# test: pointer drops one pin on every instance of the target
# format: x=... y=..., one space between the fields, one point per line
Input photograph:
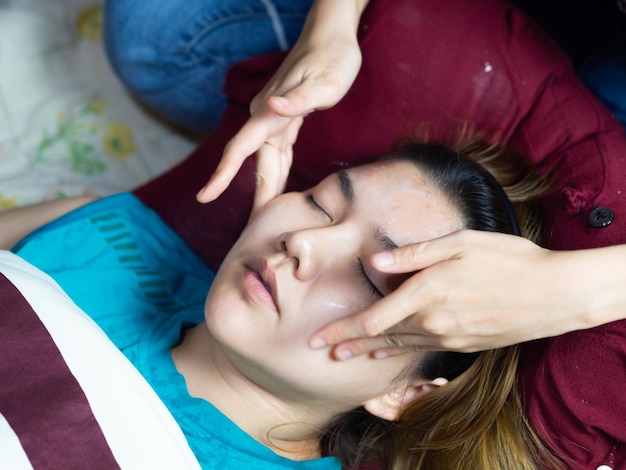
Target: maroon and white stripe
x=68 y=398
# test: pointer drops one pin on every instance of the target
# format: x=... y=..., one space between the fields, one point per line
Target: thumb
x=417 y=256
x=270 y=176
x=304 y=99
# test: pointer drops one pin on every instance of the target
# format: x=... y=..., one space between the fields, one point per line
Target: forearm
x=16 y=223
x=333 y=19
x=595 y=281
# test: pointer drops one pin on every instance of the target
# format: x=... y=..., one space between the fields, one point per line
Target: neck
x=289 y=429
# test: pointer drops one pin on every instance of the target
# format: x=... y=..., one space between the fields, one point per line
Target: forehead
x=397 y=198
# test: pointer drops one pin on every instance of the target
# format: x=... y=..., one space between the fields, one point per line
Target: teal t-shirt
x=143 y=285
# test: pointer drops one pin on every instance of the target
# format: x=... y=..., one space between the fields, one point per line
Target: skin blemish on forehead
x=413 y=181
x=371 y=171
x=430 y=201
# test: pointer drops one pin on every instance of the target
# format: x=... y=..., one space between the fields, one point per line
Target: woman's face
x=303 y=262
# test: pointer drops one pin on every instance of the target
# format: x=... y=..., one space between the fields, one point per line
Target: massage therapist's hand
x=316 y=74
x=477 y=290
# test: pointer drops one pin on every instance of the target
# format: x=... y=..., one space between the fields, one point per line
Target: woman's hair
x=476 y=421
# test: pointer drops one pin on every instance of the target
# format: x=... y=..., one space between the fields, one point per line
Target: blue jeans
x=605 y=74
x=174 y=54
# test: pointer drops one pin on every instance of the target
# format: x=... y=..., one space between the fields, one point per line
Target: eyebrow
x=383 y=239
x=347 y=188
x=347 y=191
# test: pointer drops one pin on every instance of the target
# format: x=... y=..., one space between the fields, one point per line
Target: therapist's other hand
x=316 y=74
x=470 y=291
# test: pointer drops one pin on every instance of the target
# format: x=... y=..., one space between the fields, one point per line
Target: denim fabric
x=173 y=55
x=605 y=74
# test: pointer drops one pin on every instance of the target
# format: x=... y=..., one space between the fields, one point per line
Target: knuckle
x=371 y=326
x=452 y=343
x=434 y=325
x=229 y=151
x=412 y=252
x=463 y=238
x=468 y=238
x=333 y=84
x=330 y=89
x=359 y=347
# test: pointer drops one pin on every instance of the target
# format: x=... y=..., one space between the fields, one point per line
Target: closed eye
x=313 y=203
x=368 y=282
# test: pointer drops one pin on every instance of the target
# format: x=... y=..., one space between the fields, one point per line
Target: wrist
x=596 y=280
x=607 y=277
x=334 y=20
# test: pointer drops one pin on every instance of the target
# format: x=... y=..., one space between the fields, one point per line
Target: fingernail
x=317 y=343
x=283 y=101
x=383 y=260
x=381 y=354
x=343 y=354
x=200 y=193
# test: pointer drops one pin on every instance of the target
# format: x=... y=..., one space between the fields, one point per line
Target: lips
x=260 y=282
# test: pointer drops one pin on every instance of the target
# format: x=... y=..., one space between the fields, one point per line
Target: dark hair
x=477 y=179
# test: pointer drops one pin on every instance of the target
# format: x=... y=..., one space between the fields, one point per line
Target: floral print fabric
x=67 y=125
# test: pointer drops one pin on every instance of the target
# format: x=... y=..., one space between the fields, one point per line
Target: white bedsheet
x=67 y=126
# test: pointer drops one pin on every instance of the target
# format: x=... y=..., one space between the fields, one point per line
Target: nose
x=306 y=248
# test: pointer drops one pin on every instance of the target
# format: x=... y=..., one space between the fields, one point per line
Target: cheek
x=333 y=309
x=283 y=210
x=218 y=308
x=324 y=306
x=256 y=235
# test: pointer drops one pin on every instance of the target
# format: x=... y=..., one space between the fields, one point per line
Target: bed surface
x=67 y=126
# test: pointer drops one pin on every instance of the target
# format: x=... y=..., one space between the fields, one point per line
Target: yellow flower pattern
x=7 y=202
x=89 y=23
x=96 y=106
x=85 y=143
x=118 y=140
x=75 y=131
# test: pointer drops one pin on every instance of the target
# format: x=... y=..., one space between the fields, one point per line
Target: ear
x=390 y=405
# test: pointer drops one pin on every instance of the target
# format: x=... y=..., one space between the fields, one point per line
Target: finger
x=281 y=82
x=385 y=353
x=357 y=347
x=309 y=96
x=258 y=101
x=273 y=165
x=417 y=256
x=286 y=140
x=379 y=347
x=286 y=157
x=267 y=177
x=378 y=318
x=245 y=143
x=216 y=185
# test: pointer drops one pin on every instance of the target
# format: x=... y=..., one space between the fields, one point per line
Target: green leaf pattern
x=71 y=140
